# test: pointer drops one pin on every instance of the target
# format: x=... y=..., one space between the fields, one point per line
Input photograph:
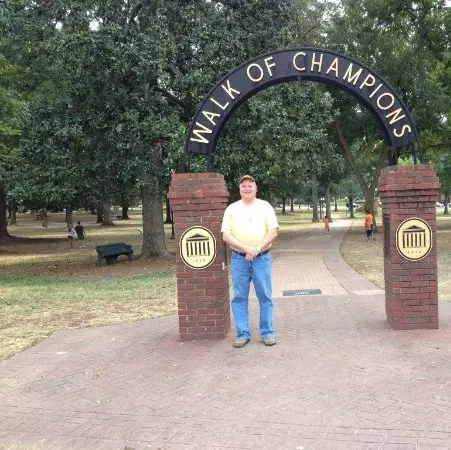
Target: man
x=250 y=226
x=80 y=231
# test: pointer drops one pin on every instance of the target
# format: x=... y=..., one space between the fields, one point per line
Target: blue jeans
x=259 y=272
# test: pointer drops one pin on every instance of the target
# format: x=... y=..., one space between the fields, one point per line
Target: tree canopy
x=96 y=96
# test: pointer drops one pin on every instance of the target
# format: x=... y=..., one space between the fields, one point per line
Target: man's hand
x=251 y=253
x=254 y=251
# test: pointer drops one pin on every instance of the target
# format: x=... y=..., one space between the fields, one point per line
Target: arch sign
x=311 y=64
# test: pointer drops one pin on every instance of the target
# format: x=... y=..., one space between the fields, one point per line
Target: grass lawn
x=46 y=285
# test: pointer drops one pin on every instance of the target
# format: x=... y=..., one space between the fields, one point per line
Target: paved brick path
x=338 y=378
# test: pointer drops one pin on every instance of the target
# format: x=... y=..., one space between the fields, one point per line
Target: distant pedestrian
x=42 y=215
x=326 y=224
x=70 y=235
x=79 y=229
x=369 y=226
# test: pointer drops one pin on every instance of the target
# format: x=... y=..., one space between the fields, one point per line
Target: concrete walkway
x=339 y=376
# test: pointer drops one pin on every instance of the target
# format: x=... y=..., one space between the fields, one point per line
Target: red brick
x=400 y=284
x=203 y=295
x=411 y=287
x=411 y=303
x=419 y=283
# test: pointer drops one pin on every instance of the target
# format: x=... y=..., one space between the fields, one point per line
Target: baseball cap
x=246 y=177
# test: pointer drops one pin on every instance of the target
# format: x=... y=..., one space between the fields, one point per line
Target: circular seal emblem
x=414 y=239
x=197 y=247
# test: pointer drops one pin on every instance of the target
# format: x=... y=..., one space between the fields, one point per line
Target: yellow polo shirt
x=249 y=223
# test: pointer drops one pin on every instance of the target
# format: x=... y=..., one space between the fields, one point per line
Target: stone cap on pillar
x=186 y=186
x=408 y=178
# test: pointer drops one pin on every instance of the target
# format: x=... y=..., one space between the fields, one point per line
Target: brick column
x=199 y=199
x=411 y=298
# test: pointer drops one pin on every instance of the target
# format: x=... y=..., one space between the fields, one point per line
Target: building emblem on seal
x=414 y=239
x=197 y=247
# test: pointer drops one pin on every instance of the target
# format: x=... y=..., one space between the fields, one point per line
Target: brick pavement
x=338 y=378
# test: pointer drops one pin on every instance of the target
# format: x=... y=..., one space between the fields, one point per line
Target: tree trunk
x=336 y=204
x=284 y=211
x=125 y=212
x=69 y=216
x=351 y=207
x=154 y=243
x=3 y=221
x=291 y=204
x=315 y=217
x=367 y=189
x=327 y=201
x=125 y=206
x=13 y=213
x=369 y=201
x=45 y=217
x=107 y=220
x=99 y=214
x=168 y=212
x=447 y=200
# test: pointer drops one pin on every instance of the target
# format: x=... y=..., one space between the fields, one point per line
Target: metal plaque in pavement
x=301 y=292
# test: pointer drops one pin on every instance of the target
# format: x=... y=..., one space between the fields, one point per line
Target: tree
x=282 y=150
x=367 y=175
x=405 y=41
x=10 y=108
x=350 y=189
x=124 y=76
x=442 y=165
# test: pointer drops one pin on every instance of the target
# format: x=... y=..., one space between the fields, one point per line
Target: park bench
x=108 y=253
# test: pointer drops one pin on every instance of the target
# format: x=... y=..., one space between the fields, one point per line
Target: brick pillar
x=199 y=199
x=411 y=298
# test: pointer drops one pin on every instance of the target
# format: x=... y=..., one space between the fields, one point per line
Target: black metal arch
x=303 y=63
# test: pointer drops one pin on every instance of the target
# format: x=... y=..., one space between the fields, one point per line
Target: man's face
x=248 y=189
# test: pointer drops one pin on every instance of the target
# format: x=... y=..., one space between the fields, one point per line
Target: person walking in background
x=70 y=235
x=249 y=226
x=42 y=215
x=369 y=226
x=79 y=229
x=326 y=224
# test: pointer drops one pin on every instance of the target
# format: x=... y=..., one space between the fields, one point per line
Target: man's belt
x=260 y=254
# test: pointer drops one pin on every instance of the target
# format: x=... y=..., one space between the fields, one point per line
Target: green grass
x=31 y=293
x=33 y=307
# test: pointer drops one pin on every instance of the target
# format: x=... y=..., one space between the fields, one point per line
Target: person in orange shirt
x=326 y=224
x=369 y=226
